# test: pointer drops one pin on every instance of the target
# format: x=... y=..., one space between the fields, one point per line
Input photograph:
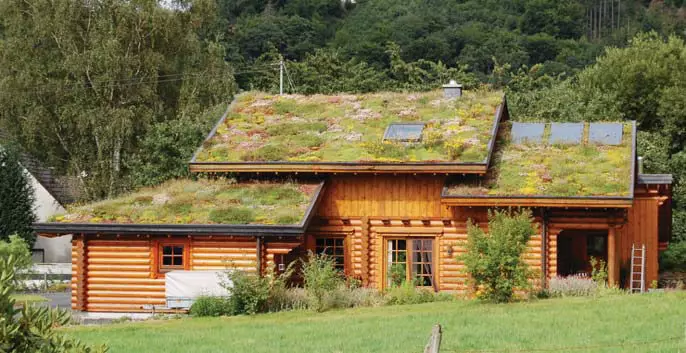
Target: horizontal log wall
x=220 y=253
x=449 y=237
x=119 y=276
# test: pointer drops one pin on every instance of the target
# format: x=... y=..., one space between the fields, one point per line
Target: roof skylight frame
x=390 y=126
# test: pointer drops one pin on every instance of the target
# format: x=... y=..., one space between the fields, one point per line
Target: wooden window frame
x=346 y=247
x=408 y=257
x=157 y=269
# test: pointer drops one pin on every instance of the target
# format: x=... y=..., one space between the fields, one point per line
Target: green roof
x=585 y=169
x=350 y=128
x=222 y=201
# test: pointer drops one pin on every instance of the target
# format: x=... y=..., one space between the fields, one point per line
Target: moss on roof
x=222 y=201
x=350 y=128
x=563 y=170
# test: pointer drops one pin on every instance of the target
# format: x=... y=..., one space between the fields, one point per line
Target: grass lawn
x=28 y=298
x=467 y=326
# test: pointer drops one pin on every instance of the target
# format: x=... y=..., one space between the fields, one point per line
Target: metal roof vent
x=452 y=89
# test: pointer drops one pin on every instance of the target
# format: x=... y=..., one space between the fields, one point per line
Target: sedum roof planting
x=545 y=168
x=350 y=128
x=222 y=201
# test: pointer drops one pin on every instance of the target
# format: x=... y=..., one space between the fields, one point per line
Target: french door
x=410 y=260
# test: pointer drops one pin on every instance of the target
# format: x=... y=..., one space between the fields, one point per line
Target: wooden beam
x=612 y=258
x=536 y=202
x=427 y=168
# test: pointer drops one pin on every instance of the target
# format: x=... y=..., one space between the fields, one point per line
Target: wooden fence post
x=434 y=344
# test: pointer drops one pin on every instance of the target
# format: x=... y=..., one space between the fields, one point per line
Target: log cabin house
x=378 y=181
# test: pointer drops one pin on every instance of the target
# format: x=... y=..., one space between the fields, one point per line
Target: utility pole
x=281 y=76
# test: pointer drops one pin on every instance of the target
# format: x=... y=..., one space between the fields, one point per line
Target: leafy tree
x=493 y=260
x=32 y=328
x=18 y=249
x=16 y=198
x=82 y=83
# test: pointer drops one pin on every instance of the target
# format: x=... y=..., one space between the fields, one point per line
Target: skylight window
x=405 y=132
x=566 y=133
x=527 y=132
x=606 y=133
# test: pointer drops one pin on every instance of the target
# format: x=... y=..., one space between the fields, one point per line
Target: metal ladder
x=638 y=268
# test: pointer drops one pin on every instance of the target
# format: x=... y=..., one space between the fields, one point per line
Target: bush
x=321 y=278
x=572 y=286
x=16 y=198
x=32 y=328
x=248 y=293
x=674 y=258
x=407 y=293
x=19 y=250
x=494 y=261
x=598 y=270
x=210 y=306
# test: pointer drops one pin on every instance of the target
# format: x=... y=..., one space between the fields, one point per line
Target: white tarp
x=193 y=284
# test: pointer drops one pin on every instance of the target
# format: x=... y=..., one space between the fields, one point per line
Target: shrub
x=32 y=328
x=321 y=277
x=19 y=250
x=407 y=293
x=674 y=258
x=248 y=293
x=287 y=299
x=16 y=198
x=494 y=261
x=232 y=215
x=572 y=286
x=210 y=306
x=598 y=270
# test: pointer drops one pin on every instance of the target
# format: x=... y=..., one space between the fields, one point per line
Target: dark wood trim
x=360 y=167
x=533 y=201
x=82 y=273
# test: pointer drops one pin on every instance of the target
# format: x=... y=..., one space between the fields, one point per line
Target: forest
x=118 y=94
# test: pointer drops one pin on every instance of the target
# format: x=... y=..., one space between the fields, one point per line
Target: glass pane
x=178 y=250
x=605 y=133
x=338 y=251
x=404 y=132
x=567 y=133
x=178 y=260
x=428 y=245
x=166 y=250
x=402 y=244
x=329 y=242
x=320 y=242
x=338 y=242
x=416 y=256
x=402 y=257
x=527 y=132
x=166 y=261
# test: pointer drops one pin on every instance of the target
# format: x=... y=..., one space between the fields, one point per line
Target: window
x=171 y=257
x=418 y=267
x=334 y=248
x=409 y=132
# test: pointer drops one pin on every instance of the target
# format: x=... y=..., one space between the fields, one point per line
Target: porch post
x=612 y=272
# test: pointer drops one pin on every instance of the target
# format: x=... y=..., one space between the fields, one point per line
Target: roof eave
x=538 y=201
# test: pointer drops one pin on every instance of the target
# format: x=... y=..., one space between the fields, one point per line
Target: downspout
x=544 y=249
x=259 y=255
